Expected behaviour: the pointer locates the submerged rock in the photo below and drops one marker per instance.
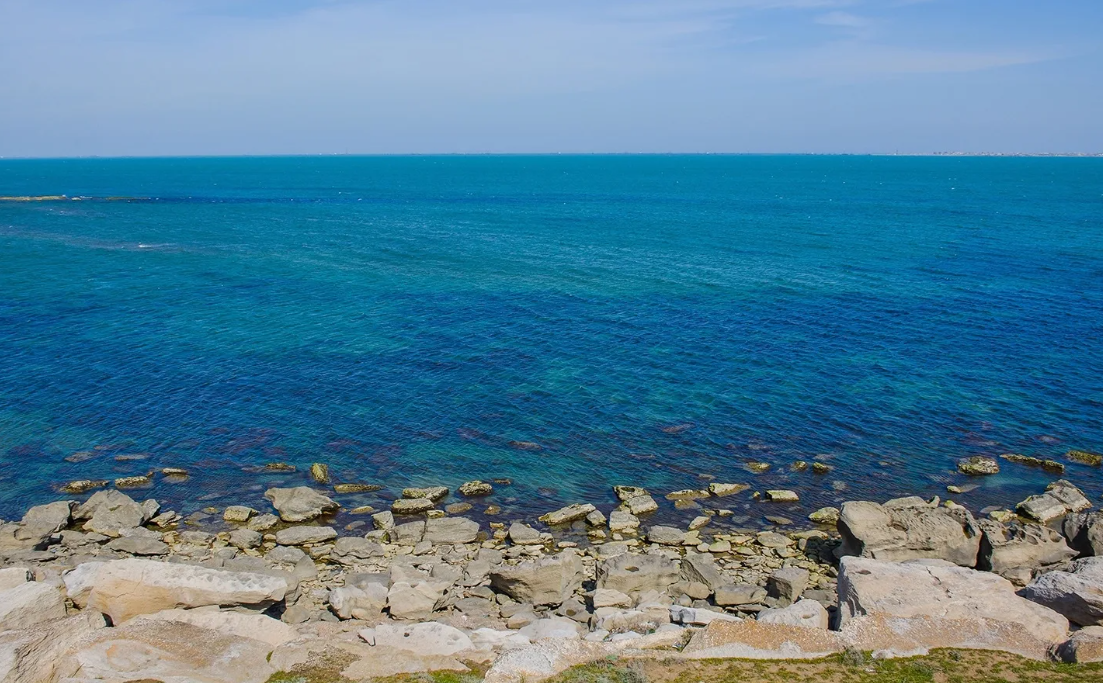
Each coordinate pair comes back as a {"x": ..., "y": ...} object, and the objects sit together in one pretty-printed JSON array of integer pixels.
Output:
[
  {"x": 431, "y": 493},
  {"x": 782, "y": 496},
  {"x": 1047, "y": 465},
  {"x": 825, "y": 515},
  {"x": 1085, "y": 458},
  {"x": 356, "y": 488},
  {"x": 83, "y": 485},
  {"x": 319, "y": 472}
]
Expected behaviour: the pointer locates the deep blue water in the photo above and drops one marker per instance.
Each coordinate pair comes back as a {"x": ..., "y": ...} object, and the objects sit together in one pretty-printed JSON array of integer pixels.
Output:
[{"x": 404, "y": 319}]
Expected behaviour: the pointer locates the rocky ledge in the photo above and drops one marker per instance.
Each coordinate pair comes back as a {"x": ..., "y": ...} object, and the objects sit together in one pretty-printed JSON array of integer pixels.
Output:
[{"x": 118, "y": 589}]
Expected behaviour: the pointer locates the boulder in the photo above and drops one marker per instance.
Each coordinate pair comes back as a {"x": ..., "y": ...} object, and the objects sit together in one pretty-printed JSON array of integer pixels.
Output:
[
  {"x": 696, "y": 616},
  {"x": 825, "y": 515},
  {"x": 787, "y": 584},
  {"x": 523, "y": 534},
  {"x": 607, "y": 597},
  {"x": 406, "y": 600},
  {"x": 238, "y": 513},
  {"x": 300, "y": 504},
  {"x": 476, "y": 488},
  {"x": 451, "y": 530},
  {"x": 50, "y": 518},
  {"x": 1060, "y": 498},
  {"x": 352, "y": 549},
  {"x": 430, "y": 638},
  {"x": 978, "y": 465},
  {"x": 151, "y": 650},
  {"x": 633, "y": 574},
  {"x": 571, "y": 513},
  {"x": 945, "y": 600},
  {"x": 433, "y": 493},
  {"x": 908, "y": 530},
  {"x": 29, "y": 604},
  {"x": 621, "y": 521},
  {"x": 245, "y": 538},
  {"x": 701, "y": 568},
  {"x": 411, "y": 506},
  {"x": 305, "y": 535},
  {"x": 125, "y": 588},
  {"x": 31, "y": 655},
  {"x": 1083, "y": 647},
  {"x": 547, "y": 581},
  {"x": 109, "y": 511},
  {"x": 640, "y": 505},
  {"x": 1084, "y": 531},
  {"x": 761, "y": 640},
  {"x": 739, "y": 594},
  {"x": 666, "y": 535},
  {"x": 365, "y": 601},
  {"x": 1017, "y": 551},
  {"x": 805, "y": 613},
  {"x": 1076, "y": 593}
]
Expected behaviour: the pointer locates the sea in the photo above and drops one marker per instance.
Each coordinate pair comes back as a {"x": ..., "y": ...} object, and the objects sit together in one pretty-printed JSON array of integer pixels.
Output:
[{"x": 558, "y": 324}]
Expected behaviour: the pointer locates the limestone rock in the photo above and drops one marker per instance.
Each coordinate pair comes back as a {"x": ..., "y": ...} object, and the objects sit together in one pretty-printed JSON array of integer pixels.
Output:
[
  {"x": 787, "y": 584},
  {"x": 149, "y": 650},
  {"x": 451, "y": 530},
  {"x": 300, "y": 504},
  {"x": 523, "y": 534},
  {"x": 305, "y": 535},
  {"x": 11, "y": 577},
  {"x": 1076, "y": 593},
  {"x": 1085, "y": 458},
  {"x": 1016, "y": 551},
  {"x": 825, "y": 515},
  {"x": 760, "y": 640},
  {"x": 430, "y": 638},
  {"x": 109, "y": 511},
  {"x": 805, "y": 613},
  {"x": 271, "y": 631},
  {"x": 640, "y": 505},
  {"x": 633, "y": 574},
  {"x": 1060, "y": 498},
  {"x": 31, "y": 655},
  {"x": 50, "y": 518},
  {"x": 908, "y": 530},
  {"x": 415, "y": 600},
  {"x": 1083, "y": 647},
  {"x": 351, "y": 550},
  {"x": 782, "y": 496},
  {"x": 433, "y": 493},
  {"x": 238, "y": 513},
  {"x": 383, "y": 520},
  {"x": 125, "y": 588},
  {"x": 1084, "y": 531},
  {"x": 739, "y": 594},
  {"x": 547, "y": 581},
  {"x": 666, "y": 535},
  {"x": 621, "y": 521},
  {"x": 30, "y": 604},
  {"x": 701, "y": 568},
  {"x": 138, "y": 545},
  {"x": 411, "y": 506},
  {"x": 569, "y": 514},
  {"x": 607, "y": 597},
  {"x": 696, "y": 616},
  {"x": 245, "y": 538},
  {"x": 536, "y": 662},
  {"x": 718, "y": 489},
  {"x": 978, "y": 465},
  {"x": 943, "y": 599},
  {"x": 359, "y": 602},
  {"x": 476, "y": 488}
]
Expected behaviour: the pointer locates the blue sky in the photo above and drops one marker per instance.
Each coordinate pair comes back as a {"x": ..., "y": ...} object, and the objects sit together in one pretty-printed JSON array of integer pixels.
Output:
[{"x": 160, "y": 77}]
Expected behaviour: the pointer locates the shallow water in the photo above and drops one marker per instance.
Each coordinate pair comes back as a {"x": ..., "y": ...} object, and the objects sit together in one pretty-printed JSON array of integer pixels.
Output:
[{"x": 645, "y": 320}]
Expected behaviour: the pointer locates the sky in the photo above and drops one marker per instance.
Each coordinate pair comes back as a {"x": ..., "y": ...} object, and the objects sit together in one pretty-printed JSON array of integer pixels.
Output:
[{"x": 225, "y": 77}]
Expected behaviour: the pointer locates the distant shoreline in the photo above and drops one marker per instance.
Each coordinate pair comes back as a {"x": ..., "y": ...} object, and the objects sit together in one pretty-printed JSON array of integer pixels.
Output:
[{"x": 1059, "y": 155}]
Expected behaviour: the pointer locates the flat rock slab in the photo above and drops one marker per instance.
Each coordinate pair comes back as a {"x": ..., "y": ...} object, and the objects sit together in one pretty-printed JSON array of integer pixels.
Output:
[
  {"x": 753, "y": 640},
  {"x": 300, "y": 504},
  {"x": 30, "y": 604},
  {"x": 31, "y": 655},
  {"x": 255, "y": 626},
  {"x": 303, "y": 535},
  {"x": 968, "y": 601},
  {"x": 126, "y": 588},
  {"x": 429, "y": 638}
]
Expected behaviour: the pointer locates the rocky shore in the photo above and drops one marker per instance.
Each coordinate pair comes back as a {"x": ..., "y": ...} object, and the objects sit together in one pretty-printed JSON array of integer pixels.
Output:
[{"x": 110, "y": 588}]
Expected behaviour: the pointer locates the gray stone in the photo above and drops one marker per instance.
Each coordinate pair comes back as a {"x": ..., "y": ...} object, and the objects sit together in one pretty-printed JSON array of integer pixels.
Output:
[
  {"x": 109, "y": 511},
  {"x": 666, "y": 535},
  {"x": 701, "y": 568},
  {"x": 1076, "y": 593},
  {"x": 1019, "y": 550},
  {"x": 548, "y": 581},
  {"x": 739, "y": 594},
  {"x": 634, "y": 574},
  {"x": 695, "y": 616},
  {"x": 245, "y": 538},
  {"x": 263, "y": 522},
  {"x": 383, "y": 520},
  {"x": 1083, "y": 647},
  {"x": 1060, "y": 498},
  {"x": 305, "y": 535},
  {"x": 606, "y": 597},
  {"x": 621, "y": 521},
  {"x": 351, "y": 549},
  {"x": 451, "y": 530},
  {"x": 896, "y": 533},
  {"x": 50, "y": 518},
  {"x": 411, "y": 506},
  {"x": 32, "y": 655},
  {"x": 787, "y": 584},
  {"x": 300, "y": 504},
  {"x": 285, "y": 555},
  {"x": 1084, "y": 531},
  {"x": 571, "y": 513},
  {"x": 137, "y": 545},
  {"x": 640, "y": 505},
  {"x": 415, "y": 601},
  {"x": 433, "y": 493},
  {"x": 523, "y": 534}
]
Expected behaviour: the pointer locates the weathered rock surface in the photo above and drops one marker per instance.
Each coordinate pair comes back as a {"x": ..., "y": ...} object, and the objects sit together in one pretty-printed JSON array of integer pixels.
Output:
[
  {"x": 978, "y": 465},
  {"x": 908, "y": 531},
  {"x": 10, "y": 577},
  {"x": 634, "y": 574},
  {"x": 29, "y": 604},
  {"x": 566, "y": 515},
  {"x": 170, "y": 651},
  {"x": 787, "y": 584},
  {"x": 304, "y": 535},
  {"x": 961, "y": 600},
  {"x": 1083, "y": 647},
  {"x": 107, "y": 512},
  {"x": 548, "y": 581},
  {"x": 1060, "y": 498},
  {"x": 760, "y": 640},
  {"x": 451, "y": 530},
  {"x": 300, "y": 504},
  {"x": 359, "y": 602},
  {"x": 804, "y": 613},
  {"x": 254, "y": 626},
  {"x": 415, "y": 600},
  {"x": 1016, "y": 551},
  {"x": 1076, "y": 593},
  {"x": 125, "y": 588},
  {"x": 1084, "y": 531},
  {"x": 31, "y": 655},
  {"x": 429, "y": 638}
]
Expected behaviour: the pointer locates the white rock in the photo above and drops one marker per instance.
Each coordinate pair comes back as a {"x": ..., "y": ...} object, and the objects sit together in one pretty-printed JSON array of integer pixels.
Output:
[
  {"x": 807, "y": 613},
  {"x": 429, "y": 638},
  {"x": 29, "y": 604},
  {"x": 255, "y": 626},
  {"x": 552, "y": 627},
  {"x": 31, "y": 655},
  {"x": 79, "y": 581},
  {"x": 359, "y": 602},
  {"x": 10, "y": 577},
  {"x": 692, "y": 616}
]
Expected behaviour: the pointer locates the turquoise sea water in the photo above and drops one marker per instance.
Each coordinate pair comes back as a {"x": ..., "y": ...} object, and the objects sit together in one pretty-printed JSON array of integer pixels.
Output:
[{"x": 645, "y": 320}]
